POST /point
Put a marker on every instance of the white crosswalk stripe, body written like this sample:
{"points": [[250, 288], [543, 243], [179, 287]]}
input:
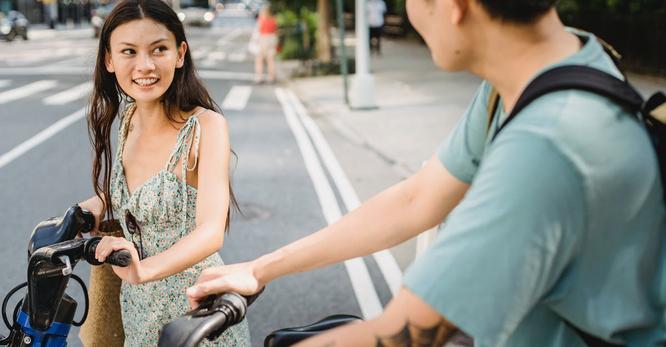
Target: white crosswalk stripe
{"points": [[237, 98], [230, 36], [213, 59], [26, 90], [69, 95], [237, 57], [4, 83], [216, 56], [200, 52]]}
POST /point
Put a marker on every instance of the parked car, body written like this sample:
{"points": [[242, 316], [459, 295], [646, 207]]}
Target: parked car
{"points": [[98, 16], [196, 12], [12, 25]]}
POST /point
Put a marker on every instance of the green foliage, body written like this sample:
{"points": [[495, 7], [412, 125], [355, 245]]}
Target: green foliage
{"points": [[297, 33]]}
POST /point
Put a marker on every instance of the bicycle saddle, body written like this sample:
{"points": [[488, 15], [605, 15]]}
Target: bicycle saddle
{"points": [[290, 336]]}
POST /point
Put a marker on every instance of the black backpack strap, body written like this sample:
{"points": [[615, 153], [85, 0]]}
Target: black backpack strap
{"points": [[581, 78], [491, 107], [576, 77]]}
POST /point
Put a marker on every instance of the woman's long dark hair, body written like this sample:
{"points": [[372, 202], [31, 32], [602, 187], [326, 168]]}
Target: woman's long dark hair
{"points": [[185, 93]]}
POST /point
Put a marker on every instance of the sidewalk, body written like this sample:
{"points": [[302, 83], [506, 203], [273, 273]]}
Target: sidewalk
{"points": [[418, 106]]}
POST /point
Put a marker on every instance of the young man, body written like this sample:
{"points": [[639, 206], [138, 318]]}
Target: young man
{"points": [[559, 222]]}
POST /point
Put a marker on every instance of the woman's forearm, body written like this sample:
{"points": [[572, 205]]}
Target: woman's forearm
{"points": [[188, 251]]}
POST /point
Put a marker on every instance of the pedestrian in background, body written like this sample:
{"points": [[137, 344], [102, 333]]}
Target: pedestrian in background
{"points": [[266, 45], [168, 184], [376, 10]]}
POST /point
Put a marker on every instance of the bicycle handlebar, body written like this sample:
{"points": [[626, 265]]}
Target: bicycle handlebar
{"points": [[49, 269], [118, 258], [213, 317]]}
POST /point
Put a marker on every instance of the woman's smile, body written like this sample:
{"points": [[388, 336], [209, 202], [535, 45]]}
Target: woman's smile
{"points": [[146, 82]]}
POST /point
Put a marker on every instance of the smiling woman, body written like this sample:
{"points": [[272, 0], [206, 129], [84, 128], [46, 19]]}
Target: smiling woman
{"points": [[169, 182]]}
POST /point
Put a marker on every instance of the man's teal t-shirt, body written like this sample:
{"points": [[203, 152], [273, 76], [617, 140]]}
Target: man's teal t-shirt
{"points": [[564, 221]]}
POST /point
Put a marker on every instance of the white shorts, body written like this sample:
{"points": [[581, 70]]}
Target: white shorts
{"points": [[267, 45]]}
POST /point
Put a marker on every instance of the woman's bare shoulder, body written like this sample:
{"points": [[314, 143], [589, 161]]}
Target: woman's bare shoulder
{"points": [[211, 120]]}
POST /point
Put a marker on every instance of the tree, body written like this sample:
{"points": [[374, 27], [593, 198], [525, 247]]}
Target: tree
{"points": [[323, 31]]}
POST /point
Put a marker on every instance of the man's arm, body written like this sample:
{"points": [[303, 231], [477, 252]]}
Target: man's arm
{"points": [[407, 321], [393, 216]]}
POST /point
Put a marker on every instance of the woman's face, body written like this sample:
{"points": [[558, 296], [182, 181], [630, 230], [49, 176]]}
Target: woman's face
{"points": [[144, 57]]}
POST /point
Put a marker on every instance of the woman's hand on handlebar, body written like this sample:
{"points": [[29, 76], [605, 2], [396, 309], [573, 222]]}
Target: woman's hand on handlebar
{"points": [[237, 278], [134, 273], [96, 207]]}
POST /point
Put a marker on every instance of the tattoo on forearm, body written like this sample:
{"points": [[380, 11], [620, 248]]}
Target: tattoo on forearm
{"points": [[413, 336]]}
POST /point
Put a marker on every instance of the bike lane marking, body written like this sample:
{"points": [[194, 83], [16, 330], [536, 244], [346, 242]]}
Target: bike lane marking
{"points": [[26, 90], [237, 98], [41, 137], [364, 289], [69, 95], [385, 260]]}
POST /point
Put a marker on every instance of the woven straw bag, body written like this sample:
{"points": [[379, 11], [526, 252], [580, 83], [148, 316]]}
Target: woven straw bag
{"points": [[104, 326]]}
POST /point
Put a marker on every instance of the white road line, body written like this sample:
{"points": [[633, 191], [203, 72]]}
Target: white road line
{"points": [[230, 36], [47, 70], [237, 98], [26, 90], [226, 75], [385, 260], [217, 55], [41, 137], [364, 290], [4, 83], [69, 95], [237, 57], [200, 52], [87, 71]]}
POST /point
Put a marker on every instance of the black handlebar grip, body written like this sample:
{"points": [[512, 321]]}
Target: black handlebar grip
{"points": [[119, 258]]}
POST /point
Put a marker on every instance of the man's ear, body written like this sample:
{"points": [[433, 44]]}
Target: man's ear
{"points": [[458, 10], [182, 49], [108, 63]]}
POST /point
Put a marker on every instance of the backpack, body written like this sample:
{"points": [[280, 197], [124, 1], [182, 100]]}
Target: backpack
{"points": [[652, 114]]}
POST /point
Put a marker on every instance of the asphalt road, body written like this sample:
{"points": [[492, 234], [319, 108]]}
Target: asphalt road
{"points": [[42, 175]]}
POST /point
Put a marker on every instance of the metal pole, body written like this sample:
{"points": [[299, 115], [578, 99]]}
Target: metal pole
{"points": [[363, 84], [343, 50]]}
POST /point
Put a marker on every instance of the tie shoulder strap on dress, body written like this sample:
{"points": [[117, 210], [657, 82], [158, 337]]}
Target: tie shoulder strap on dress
{"points": [[125, 121], [188, 138]]}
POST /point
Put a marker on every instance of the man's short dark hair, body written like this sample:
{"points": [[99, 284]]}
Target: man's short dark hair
{"points": [[517, 11]]}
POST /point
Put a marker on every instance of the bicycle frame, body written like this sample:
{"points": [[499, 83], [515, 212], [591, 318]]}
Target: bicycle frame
{"points": [[46, 313]]}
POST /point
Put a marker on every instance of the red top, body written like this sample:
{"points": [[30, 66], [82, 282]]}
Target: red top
{"points": [[267, 25]]}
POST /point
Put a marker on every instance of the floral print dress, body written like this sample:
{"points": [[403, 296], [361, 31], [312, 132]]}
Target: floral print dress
{"points": [[164, 208]]}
